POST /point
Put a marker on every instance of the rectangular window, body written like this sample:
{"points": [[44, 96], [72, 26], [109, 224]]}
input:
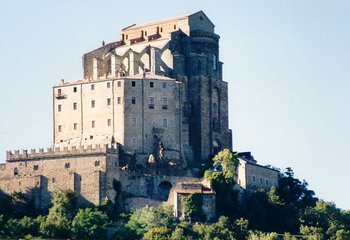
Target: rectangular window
{"points": [[119, 100], [133, 83], [59, 107], [75, 106], [92, 86], [67, 165], [59, 92], [165, 103], [165, 122], [108, 101], [109, 122], [267, 182], [74, 89], [133, 122], [164, 84], [261, 181], [133, 100], [93, 124], [151, 84], [119, 83], [92, 103], [60, 128], [75, 126], [151, 102], [133, 141], [253, 178], [36, 167], [108, 84], [97, 163]]}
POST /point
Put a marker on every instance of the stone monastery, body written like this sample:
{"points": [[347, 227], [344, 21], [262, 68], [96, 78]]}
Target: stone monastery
{"points": [[150, 109]]}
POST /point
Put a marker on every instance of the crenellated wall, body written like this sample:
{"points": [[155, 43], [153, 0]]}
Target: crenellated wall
{"points": [[89, 171], [58, 152]]}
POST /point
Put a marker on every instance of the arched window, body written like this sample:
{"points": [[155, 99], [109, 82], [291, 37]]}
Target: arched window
{"points": [[214, 62], [216, 146], [15, 171]]}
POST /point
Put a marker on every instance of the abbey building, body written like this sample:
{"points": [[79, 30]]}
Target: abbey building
{"points": [[149, 109]]}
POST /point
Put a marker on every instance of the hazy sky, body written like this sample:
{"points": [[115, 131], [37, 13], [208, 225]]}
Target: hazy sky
{"points": [[287, 64]]}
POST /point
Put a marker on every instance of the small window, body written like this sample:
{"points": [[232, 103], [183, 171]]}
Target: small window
{"points": [[133, 83], [60, 128], [75, 106], [165, 103], [92, 103], [74, 89], [145, 33], [59, 92], [59, 108], [15, 171], [53, 180], [214, 62], [151, 84], [254, 179], [109, 122], [97, 163], [133, 122], [133, 141], [119, 100], [93, 124], [108, 84], [133, 100], [267, 182], [174, 27], [67, 165], [75, 126], [161, 29], [261, 181], [151, 103], [165, 122], [119, 83], [108, 101], [36, 167], [126, 37], [91, 137], [92, 86], [164, 84]]}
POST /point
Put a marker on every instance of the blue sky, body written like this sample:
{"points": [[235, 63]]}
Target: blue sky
{"points": [[287, 64]]}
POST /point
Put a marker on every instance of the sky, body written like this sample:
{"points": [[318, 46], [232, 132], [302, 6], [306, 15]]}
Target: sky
{"points": [[286, 62]]}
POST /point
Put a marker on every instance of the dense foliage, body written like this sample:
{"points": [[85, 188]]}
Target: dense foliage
{"points": [[288, 212]]}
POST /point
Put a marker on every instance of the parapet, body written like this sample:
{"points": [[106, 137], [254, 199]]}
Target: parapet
{"points": [[59, 152]]}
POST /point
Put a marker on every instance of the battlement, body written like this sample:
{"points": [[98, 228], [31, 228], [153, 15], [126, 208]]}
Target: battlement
{"points": [[59, 152], [2, 166]]}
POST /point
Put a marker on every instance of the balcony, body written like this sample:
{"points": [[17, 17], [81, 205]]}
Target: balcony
{"points": [[60, 96]]}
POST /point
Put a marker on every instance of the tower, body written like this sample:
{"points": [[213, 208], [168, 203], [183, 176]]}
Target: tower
{"points": [[160, 83]]}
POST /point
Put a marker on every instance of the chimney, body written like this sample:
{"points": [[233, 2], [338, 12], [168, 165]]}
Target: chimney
{"points": [[94, 68], [113, 66]]}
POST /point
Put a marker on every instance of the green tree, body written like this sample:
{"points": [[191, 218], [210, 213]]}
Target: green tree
{"points": [[293, 191], [13, 229], [146, 218], [263, 236], [90, 224], [193, 206], [58, 221], [329, 220], [222, 180], [158, 233]]}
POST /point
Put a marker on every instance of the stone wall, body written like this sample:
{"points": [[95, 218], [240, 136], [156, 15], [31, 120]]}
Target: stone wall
{"points": [[81, 170], [252, 176]]}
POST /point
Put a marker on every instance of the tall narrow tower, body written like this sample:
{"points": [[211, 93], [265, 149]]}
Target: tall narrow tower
{"points": [[160, 84]]}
